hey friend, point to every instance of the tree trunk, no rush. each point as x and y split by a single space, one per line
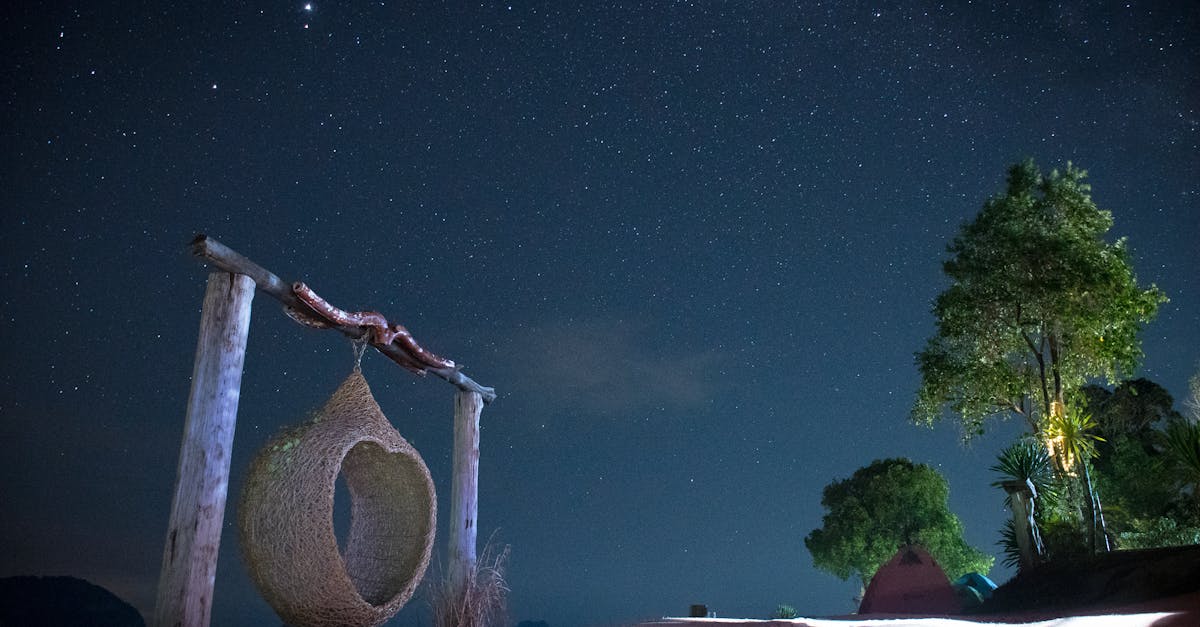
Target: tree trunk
189 562
1045 385
1055 362
1094 512
1090 514
1103 526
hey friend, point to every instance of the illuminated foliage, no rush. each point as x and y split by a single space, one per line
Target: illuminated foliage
1039 303
1070 433
1073 434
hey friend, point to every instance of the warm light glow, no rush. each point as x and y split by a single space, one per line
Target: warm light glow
1054 439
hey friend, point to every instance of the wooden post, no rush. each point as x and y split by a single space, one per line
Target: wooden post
189 564
464 490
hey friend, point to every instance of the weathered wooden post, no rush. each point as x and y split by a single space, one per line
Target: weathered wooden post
464 489
189 564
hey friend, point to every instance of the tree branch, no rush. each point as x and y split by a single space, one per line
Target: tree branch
1029 342
1038 353
1018 408
1054 362
220 256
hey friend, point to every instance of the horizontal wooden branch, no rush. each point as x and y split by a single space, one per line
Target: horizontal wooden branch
220 256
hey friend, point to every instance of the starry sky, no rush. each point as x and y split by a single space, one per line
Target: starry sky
693 245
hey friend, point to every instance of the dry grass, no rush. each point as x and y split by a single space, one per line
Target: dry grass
483 601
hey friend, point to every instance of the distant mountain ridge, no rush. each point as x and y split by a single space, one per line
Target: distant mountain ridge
28 601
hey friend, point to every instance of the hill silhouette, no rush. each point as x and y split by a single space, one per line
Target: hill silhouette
62 602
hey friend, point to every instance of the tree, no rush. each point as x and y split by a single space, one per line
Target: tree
1192 403
1138 469
882 507
1129 465
1039 303
1182 439
1133 408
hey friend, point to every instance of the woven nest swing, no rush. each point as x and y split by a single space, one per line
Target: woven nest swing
286 516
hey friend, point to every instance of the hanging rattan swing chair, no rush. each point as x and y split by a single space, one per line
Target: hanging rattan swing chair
286 525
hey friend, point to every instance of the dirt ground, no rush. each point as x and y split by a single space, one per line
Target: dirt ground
1152 588
1178 611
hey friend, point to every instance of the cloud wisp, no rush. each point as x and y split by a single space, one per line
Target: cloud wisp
604 367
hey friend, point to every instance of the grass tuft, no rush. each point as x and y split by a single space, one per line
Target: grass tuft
483 601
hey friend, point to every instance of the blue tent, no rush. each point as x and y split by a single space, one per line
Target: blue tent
979 583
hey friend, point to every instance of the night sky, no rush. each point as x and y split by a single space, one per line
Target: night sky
692 245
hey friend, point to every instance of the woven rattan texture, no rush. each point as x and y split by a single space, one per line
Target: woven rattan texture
286 516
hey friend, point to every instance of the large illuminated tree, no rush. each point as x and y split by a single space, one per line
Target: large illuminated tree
1039 303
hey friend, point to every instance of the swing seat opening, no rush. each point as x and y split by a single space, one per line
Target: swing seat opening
285 516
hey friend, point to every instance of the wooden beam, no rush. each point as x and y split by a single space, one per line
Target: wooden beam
220 256
464 489
189 563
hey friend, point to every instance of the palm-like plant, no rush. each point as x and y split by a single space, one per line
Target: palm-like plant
1182 442
1182 439
1009 546
1069 432
1026 460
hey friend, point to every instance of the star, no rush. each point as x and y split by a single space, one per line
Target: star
308 7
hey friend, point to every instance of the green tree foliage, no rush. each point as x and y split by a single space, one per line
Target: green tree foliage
1191 405
1158 532
1136 480
882 507
1182 440
1133 408
1131 470
1039 302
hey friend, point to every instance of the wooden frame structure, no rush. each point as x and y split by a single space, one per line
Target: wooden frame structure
185 586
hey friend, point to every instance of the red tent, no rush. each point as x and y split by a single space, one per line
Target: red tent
910 583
